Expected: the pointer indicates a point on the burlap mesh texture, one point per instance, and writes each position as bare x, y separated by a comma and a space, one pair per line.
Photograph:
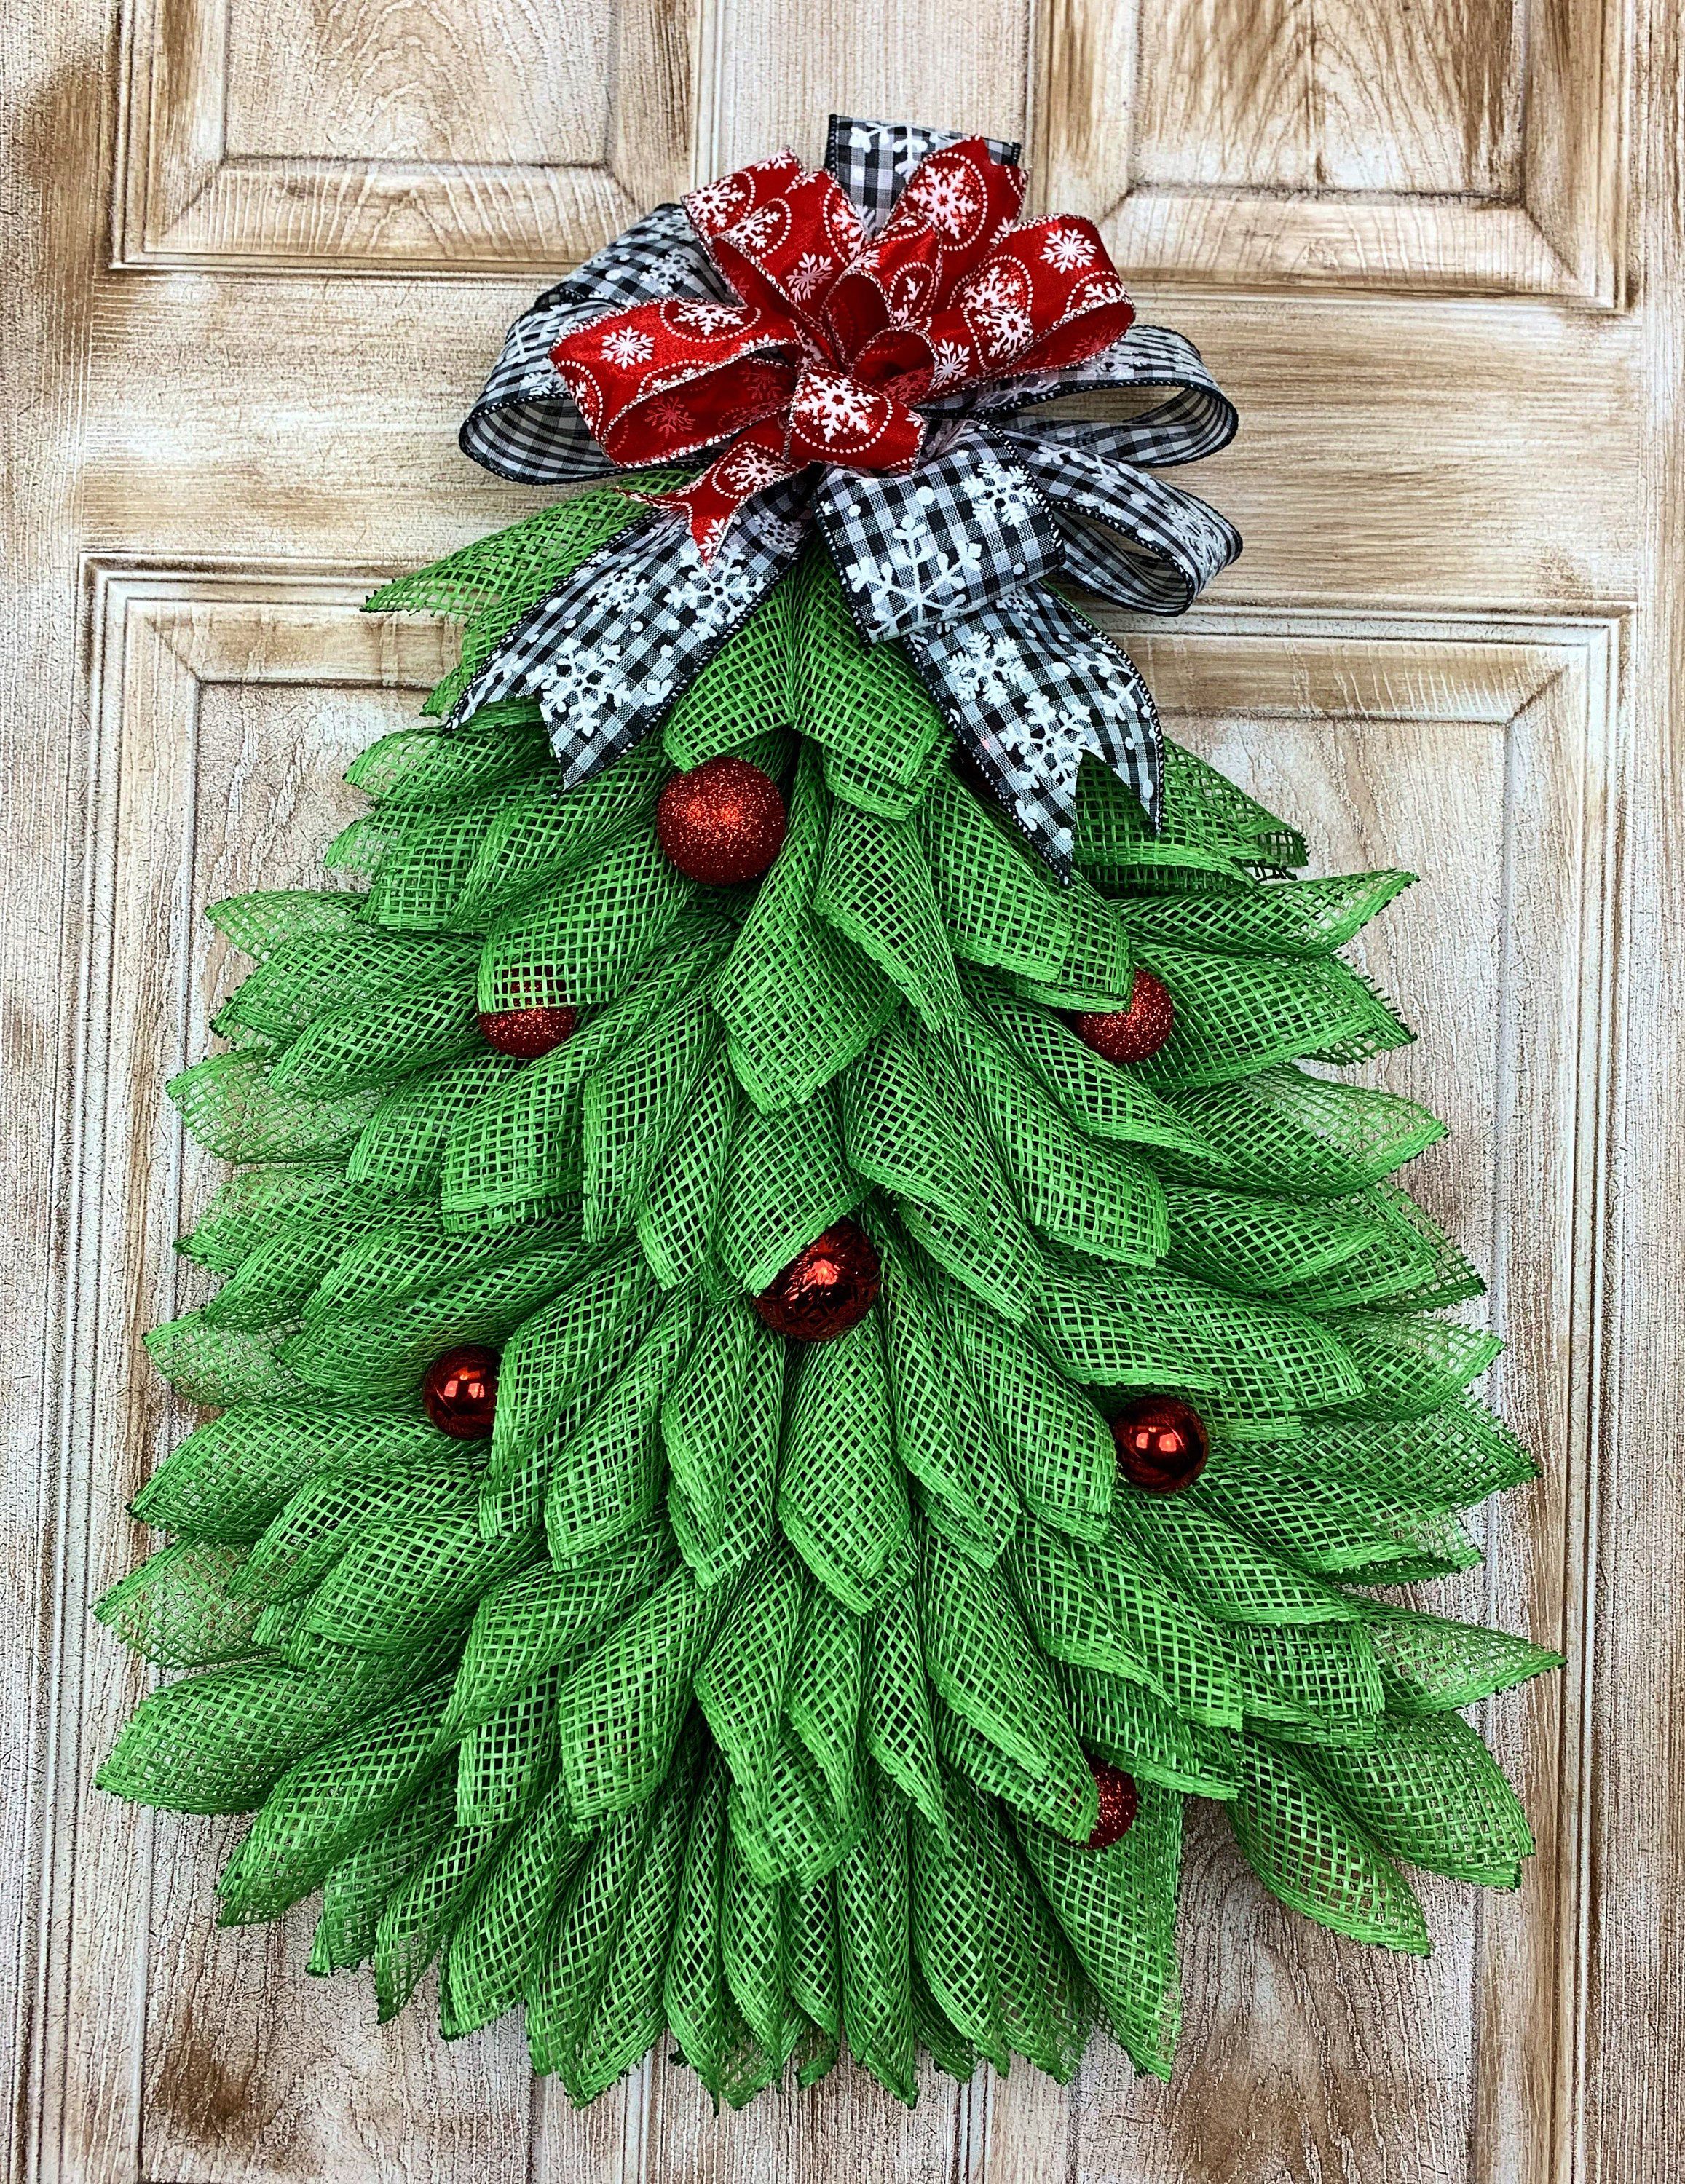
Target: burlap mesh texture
490, 585
751, 1689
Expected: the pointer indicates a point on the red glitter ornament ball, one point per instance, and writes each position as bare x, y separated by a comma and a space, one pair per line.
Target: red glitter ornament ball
1118, 1801
526, 1033
721, 822
1162, 1444
461, 1391
829, 1286
1132, 1034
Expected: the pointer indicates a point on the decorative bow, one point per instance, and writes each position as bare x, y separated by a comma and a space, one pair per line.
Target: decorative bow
863, 346
839, 336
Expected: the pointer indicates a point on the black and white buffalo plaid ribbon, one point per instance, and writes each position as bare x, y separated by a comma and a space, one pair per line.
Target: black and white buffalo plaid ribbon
947, 559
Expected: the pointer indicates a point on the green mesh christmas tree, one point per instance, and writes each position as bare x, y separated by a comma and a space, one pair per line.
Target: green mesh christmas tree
567, 1624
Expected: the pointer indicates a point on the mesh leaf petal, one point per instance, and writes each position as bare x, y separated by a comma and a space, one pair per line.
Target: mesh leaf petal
1307, 1849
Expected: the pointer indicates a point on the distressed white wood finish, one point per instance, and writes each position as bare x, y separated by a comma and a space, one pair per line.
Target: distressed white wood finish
503, 136
1470, 146
1436, 252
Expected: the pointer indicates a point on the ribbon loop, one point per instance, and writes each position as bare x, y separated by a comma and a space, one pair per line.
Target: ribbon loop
1128, 537
664, 380
526, 425
780, 236
1199, 420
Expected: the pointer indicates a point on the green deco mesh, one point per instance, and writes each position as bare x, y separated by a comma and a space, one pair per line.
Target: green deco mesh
747, 1692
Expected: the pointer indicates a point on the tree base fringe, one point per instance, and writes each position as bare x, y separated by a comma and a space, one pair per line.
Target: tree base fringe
743, 1692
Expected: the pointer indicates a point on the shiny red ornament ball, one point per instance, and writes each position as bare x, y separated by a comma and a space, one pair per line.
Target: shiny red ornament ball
1162, 1444
461, 1391
526, 1033
1118, 1802
829, 1286
721, 822
1132, 1034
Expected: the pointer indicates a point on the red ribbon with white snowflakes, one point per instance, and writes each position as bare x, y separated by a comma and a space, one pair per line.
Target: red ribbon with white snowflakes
838, 338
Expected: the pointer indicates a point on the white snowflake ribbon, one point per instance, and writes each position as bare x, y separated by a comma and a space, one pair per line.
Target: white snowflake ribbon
966, 525
611, 650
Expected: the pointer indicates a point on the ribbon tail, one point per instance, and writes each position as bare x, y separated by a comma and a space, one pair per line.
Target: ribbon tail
915, 551
754, 460
608, 653
1029, 687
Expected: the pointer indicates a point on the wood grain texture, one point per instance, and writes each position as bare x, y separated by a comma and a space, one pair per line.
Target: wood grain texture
774, 74
1333, 97
506, 84
1629, 2091
54, 63
1422, 454
1455, 639
1464, 146
433, 135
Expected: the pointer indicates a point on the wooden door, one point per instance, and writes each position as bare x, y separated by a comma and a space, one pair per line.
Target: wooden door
258, 253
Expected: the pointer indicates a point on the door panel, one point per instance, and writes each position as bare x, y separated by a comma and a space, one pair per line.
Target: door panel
259, 259
1469, 145
376, 138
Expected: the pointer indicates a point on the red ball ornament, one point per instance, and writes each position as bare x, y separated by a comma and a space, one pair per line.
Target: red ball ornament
1132, 1034
526, 1033
1118, 1803
461, 1391
829, 1285
721, 822
1162, 1444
